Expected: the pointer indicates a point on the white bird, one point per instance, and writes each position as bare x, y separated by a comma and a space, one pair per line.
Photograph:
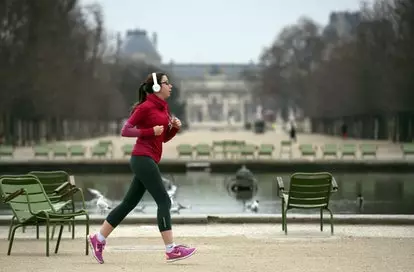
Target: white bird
178, 207
169, 186
95, 192
172, 190
102, 205
140, 209
101, 201
254, 206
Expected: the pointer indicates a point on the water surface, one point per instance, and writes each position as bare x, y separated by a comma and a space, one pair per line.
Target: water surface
207, 193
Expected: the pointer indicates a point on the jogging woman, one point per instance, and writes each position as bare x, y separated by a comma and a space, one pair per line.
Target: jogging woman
152, 124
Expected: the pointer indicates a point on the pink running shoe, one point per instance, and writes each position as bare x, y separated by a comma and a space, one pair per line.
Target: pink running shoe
97, 247
180, 252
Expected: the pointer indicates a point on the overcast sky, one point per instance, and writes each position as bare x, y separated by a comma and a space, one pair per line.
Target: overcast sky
200, 31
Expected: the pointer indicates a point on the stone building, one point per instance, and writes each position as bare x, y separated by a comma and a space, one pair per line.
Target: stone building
215, 94
137, 46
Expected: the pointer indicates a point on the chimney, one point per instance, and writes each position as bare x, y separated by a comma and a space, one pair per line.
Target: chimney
155, 40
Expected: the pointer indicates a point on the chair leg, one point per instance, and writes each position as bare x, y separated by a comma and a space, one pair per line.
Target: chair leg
331, 220
47, 237
73, 220
11, 227
321, 219
72, 224
37, 232
53, 232
86, 236
12, 239
283, 215
285, 224
59, 237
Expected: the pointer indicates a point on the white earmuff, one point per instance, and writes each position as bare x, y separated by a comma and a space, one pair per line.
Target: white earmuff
156, 87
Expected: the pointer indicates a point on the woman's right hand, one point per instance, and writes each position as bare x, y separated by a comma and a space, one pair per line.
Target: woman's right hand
158, 130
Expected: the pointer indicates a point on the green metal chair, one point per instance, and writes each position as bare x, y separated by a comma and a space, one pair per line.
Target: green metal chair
185, 150
407, 149
77, 150
330, 150
6, 151
368, 150
60, 151
349, 150
307, 191
41, 151
32, 207
265, 150
248, 150
202, 150
56, 184
127, 149
307, 150
100, 151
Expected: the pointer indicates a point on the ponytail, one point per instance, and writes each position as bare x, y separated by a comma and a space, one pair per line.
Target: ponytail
142, 96
144, 89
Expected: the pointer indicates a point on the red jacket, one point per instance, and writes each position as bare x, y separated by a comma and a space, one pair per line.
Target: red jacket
153, 112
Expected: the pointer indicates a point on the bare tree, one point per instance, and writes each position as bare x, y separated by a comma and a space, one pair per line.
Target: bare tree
364, 78
289, 60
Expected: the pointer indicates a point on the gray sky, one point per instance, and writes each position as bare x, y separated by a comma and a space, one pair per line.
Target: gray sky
221, 31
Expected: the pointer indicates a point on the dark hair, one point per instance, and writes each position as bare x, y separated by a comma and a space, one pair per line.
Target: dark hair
146, 88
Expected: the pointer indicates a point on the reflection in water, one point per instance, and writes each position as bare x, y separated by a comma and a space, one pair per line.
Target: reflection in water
243, 185
209, 193
360, 203
241, 189
254, 206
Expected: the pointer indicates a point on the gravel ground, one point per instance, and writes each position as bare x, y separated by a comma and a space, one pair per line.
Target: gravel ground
238, 247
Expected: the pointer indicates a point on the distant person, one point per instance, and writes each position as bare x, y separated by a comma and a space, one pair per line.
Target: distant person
292, 132
344, 131
151, 122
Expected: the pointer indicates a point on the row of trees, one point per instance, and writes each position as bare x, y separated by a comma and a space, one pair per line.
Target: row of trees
57, 62
359, 71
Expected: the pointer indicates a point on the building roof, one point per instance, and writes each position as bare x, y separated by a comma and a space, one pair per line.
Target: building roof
137, 44
201, 70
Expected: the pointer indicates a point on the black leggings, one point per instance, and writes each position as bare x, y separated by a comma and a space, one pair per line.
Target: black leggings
147, 176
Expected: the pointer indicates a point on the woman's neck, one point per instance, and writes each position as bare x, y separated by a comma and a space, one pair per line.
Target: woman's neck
159, 96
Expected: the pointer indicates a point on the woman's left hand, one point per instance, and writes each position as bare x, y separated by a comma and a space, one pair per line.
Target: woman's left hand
176, 122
